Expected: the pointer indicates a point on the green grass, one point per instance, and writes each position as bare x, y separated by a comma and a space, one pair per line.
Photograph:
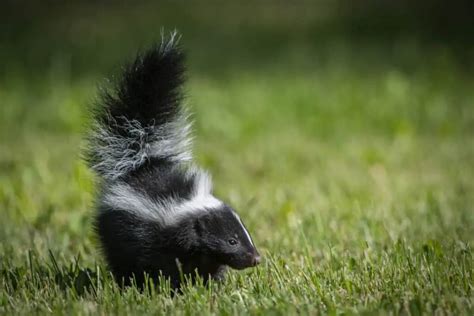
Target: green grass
349, 157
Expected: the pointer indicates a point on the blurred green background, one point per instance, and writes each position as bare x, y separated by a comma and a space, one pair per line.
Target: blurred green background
342, 132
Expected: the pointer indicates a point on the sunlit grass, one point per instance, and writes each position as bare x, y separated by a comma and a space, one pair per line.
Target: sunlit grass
353, 171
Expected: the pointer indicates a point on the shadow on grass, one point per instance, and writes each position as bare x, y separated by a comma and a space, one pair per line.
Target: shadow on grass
36, 275
81, 281
86, 38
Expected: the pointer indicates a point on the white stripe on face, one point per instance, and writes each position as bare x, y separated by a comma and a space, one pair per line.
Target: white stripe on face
243, 228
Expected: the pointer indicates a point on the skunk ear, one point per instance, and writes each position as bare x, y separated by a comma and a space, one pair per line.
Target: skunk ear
198, 226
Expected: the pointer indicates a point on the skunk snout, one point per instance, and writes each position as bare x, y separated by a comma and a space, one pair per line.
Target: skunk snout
244, 260
256, 259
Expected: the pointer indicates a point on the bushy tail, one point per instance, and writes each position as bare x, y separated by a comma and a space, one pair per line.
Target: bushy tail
142, 117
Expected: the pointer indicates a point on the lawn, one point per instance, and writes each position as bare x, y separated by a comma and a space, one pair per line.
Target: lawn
349, 155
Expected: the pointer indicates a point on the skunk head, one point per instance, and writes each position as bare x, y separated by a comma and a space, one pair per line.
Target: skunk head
222, 235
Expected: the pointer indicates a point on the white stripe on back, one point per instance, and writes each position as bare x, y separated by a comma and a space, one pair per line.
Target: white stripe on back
121, 196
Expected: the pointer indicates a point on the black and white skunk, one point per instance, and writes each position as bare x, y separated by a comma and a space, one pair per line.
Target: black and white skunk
156, 213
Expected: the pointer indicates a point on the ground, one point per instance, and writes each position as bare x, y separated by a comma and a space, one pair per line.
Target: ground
348, 155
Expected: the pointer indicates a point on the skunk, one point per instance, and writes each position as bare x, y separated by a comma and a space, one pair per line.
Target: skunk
156, 214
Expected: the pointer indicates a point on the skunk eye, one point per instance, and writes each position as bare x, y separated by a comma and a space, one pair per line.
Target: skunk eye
232, 241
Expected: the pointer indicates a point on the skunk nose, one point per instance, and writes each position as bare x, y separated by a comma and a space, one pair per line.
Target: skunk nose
256, 260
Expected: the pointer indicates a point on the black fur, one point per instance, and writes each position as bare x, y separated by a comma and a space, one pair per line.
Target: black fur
161, 179
134, 246
150, 89
130, 148
148, 93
